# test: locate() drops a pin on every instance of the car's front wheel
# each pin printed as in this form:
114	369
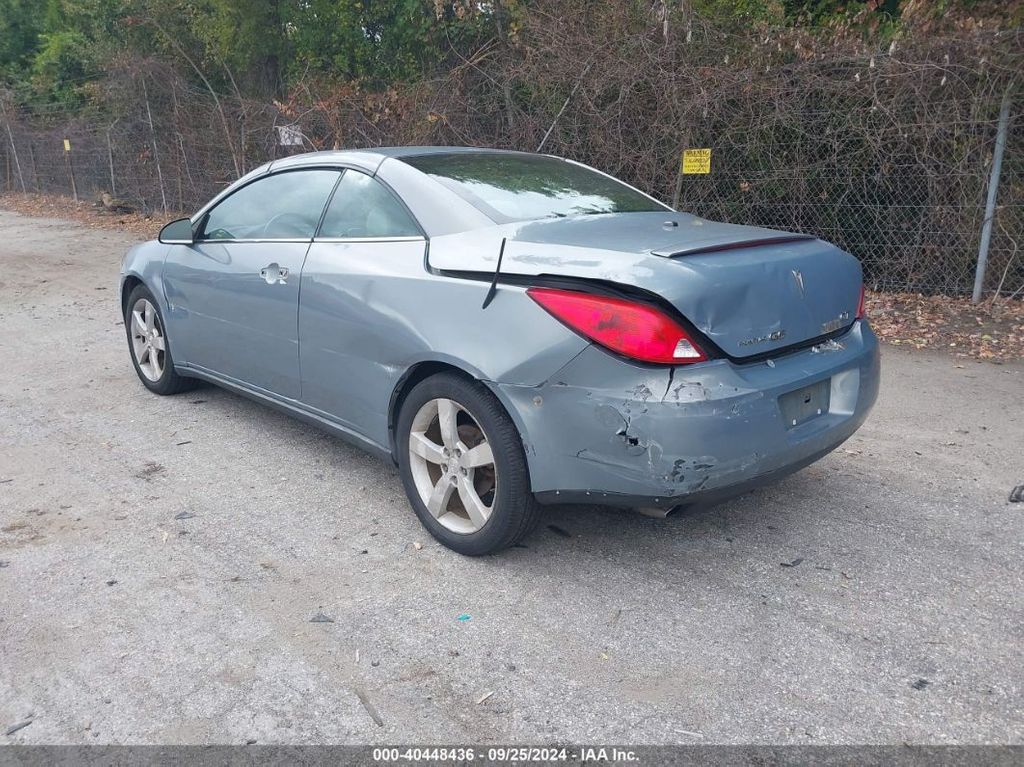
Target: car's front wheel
148	344
463	467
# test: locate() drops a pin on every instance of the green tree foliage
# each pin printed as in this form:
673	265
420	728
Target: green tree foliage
249	39
823	11
378	41
19	35
49	49
739	13
63	62
52	48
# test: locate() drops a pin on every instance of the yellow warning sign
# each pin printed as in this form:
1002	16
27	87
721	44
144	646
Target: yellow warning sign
67	145
696	161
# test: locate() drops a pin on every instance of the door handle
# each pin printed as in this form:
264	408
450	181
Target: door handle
274	274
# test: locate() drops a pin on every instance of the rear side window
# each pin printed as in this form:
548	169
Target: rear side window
364	207
521	187
279	207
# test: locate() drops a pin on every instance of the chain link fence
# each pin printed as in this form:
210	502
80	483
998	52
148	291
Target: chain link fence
887	154
900	182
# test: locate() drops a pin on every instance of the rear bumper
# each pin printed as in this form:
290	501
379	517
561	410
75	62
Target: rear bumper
604	431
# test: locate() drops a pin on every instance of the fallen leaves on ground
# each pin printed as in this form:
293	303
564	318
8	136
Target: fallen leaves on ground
991	330
87	213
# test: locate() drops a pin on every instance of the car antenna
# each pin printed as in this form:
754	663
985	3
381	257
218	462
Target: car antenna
494	283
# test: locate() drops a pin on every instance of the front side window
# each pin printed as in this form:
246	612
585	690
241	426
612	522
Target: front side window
364	207
522	187
280	207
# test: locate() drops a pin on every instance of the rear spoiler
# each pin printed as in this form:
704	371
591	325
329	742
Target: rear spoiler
718	247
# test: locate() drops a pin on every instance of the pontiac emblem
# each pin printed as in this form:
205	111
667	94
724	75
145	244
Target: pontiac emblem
775	335
799	278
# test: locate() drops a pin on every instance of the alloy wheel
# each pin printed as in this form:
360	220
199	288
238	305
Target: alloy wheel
148	343
452	465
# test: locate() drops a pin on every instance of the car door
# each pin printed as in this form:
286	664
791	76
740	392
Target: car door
364	264
233	294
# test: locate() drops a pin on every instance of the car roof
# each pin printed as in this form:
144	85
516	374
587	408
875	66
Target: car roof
371	158
439	210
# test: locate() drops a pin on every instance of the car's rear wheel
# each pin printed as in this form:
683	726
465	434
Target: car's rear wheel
463	467
148	344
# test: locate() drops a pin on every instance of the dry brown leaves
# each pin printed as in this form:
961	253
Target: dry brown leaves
992	330
85	213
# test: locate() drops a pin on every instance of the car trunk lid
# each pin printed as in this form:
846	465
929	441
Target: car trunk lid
754	300
751	291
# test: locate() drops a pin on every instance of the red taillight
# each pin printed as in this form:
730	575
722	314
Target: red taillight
860	304
634	330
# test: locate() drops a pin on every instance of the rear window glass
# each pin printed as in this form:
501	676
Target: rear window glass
514	187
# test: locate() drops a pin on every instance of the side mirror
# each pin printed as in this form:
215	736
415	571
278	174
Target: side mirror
177	233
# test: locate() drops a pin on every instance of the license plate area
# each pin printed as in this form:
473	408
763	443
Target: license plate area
802	405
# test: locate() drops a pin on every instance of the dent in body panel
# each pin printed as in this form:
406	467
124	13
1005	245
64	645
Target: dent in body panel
641	433
477	251
228	318
746	300
145	262
369	311
673	432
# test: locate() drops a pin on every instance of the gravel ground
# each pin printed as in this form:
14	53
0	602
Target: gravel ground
161	560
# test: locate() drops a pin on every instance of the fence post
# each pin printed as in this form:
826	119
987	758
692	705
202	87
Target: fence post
110	161
990	202
35	170
156	153
14	151
71	169
188	172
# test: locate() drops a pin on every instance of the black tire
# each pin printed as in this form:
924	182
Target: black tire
169	381
515	512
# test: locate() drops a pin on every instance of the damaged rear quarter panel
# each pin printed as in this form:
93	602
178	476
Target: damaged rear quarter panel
604	425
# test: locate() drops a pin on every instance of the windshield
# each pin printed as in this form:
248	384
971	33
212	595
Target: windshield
522	187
